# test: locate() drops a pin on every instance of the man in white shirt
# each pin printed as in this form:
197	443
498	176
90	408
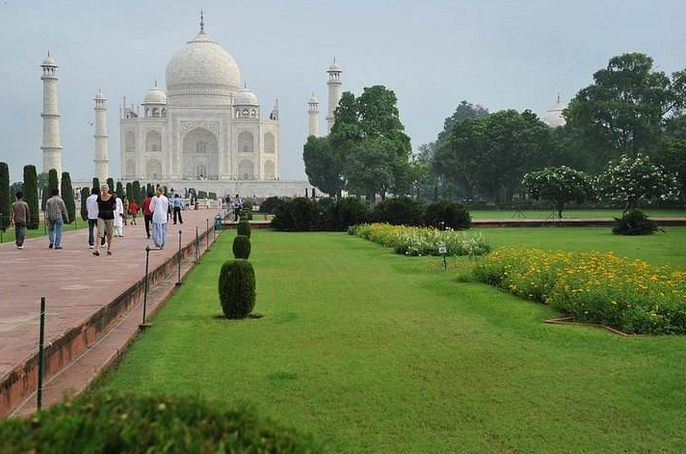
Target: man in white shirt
159	205
92	209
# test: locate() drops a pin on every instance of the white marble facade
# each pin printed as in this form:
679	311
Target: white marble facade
204	127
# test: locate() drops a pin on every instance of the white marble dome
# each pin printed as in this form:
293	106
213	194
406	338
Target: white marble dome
155	95
245	97
202	68
49	61
554	116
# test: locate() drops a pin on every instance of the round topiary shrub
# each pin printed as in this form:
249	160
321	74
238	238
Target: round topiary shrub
453	215
241	247
134	424
243	228
634	222
237	288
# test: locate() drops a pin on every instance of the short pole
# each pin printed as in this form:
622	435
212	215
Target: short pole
145	295
207	233
445	265
41	356
2	230
197	241
45	224
178	280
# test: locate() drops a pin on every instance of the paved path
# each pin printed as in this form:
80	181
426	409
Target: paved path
75	283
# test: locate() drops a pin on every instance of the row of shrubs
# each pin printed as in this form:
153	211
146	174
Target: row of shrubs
417	241
302	214
629	295
105	423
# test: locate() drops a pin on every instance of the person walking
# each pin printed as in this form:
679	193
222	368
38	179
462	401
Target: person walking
55	215
177	209
160	215
92	209
118	216
125	202
237	206
133	211
107	205
19	217
147	213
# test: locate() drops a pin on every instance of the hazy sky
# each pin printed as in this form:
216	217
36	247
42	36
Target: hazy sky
433	54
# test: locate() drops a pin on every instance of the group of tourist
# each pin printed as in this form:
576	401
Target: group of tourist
107	214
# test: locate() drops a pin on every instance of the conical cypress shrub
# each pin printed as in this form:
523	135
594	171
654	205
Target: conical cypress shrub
85	193
31	195
237	288
136	190
68	196
241	247
120	190
243	228
110	183
96	184
4	196
52	185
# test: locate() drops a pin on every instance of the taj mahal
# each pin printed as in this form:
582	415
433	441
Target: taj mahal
206	130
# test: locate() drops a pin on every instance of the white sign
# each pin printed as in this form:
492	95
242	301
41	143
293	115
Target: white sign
442	249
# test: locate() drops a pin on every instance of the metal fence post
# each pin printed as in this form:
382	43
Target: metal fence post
196	244
207	233
145	295
41	357
178	280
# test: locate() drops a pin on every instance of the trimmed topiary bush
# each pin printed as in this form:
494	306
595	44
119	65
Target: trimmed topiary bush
343	213
67	193
237	288
96	183
298	215
399	211
5	200
103	423
241	247
454	215
85	193
52	185
634	222
243	228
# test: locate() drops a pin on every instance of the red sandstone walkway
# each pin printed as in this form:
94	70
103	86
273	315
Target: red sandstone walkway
75	283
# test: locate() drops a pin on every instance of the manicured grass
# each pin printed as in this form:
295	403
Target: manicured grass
377	352
569	214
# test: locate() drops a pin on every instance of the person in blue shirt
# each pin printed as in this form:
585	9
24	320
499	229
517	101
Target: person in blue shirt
177	208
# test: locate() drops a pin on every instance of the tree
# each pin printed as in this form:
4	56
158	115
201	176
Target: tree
463	111
136	189
560	185
323	166
110	183
672	153
31	195
629	179
129	191
120	189
96	184
52	186
625	109
5	201
68	197
85	193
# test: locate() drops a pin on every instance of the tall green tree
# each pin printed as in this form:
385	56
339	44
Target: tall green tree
85	193
31	195
96	183
129	191
67	193
625	109
4	196
465	110
110	183
136	189
52	185
323	166
560	185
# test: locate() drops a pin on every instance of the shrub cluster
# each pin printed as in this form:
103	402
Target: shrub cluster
241	247
270	204
237	288
303	214
629	295
243	228
133	424
634	222
417	241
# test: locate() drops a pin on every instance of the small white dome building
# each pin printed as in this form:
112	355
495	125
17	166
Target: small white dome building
204	126
554	117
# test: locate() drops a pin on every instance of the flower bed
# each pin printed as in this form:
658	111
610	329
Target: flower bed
418	241
629	295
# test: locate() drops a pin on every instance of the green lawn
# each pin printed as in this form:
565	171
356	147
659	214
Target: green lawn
569	214
8	235
376	352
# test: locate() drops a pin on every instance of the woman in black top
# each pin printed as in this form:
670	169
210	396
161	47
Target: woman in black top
107	204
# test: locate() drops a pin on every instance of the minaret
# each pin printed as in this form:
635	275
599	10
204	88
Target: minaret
313	116
102	160
334	84
52	143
